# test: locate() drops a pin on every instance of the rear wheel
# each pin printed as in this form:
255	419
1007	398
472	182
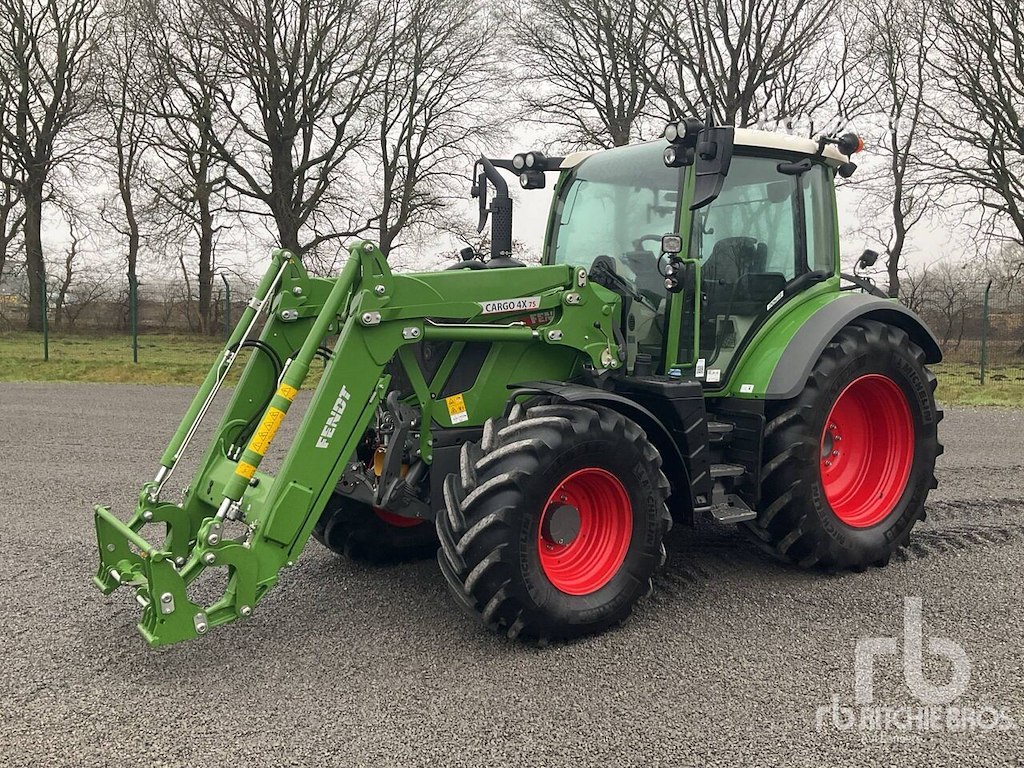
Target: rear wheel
555	523
849	462
373	535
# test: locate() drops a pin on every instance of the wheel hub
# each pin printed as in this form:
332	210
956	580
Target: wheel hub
561	524
830	452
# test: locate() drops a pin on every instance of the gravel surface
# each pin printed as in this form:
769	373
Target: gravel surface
727	664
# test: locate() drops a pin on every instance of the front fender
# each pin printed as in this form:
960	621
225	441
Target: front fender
681	501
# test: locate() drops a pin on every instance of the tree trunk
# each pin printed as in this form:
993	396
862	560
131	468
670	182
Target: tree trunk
134	238
288	233
205	262
34	262
384	239
5	238
133	278
893	268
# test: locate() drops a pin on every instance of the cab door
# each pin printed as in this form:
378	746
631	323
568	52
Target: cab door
748	245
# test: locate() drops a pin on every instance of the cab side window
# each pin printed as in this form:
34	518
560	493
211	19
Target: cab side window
820	216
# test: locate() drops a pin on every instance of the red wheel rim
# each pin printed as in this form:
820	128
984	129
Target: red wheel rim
590	560
397	520
867	450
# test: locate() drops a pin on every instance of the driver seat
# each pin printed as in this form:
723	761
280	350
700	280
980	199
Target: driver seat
734	280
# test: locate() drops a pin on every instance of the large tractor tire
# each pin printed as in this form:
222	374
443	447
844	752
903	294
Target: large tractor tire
361	532
848	463
554	525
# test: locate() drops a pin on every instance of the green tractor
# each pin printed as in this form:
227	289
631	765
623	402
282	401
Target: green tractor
687	348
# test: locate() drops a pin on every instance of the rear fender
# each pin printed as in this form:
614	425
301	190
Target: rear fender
776	363
806	345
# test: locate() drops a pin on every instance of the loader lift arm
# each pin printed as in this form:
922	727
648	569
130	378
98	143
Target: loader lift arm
375	314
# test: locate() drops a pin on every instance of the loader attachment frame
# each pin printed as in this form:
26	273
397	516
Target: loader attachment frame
253	524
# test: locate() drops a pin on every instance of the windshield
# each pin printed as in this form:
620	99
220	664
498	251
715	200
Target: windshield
618	204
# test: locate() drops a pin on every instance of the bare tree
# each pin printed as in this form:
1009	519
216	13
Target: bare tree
952	290
432	103
124	100
893	52
296	75
72	251
46	57
11	212
583	66
190	180
979	124
914	289
746	61
609	72
1006	268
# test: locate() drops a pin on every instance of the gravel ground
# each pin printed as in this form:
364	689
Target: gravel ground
727	664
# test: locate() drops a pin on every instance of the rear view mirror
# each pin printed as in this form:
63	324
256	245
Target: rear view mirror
867	259
713	157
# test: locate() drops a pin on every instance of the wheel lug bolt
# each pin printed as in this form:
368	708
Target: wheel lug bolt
832	426
828	463
835	453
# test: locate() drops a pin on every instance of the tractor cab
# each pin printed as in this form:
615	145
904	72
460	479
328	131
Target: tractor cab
767	233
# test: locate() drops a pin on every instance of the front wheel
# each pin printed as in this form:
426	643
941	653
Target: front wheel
361	532
849	461
555	523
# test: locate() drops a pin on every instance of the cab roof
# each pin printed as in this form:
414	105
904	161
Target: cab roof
746	137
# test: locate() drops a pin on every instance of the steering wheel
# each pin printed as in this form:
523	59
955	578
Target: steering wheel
639	257
638	242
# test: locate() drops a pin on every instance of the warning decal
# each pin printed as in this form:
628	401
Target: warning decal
245	469
457	408
266	431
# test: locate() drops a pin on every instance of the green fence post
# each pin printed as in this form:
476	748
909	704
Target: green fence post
133	314
227	306
984	331
46	320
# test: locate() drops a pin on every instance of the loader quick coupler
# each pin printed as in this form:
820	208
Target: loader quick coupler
195	536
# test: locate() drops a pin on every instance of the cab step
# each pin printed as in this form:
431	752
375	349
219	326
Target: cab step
727	470
728	508
720	432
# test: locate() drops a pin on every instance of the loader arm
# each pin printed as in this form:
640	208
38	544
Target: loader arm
253	524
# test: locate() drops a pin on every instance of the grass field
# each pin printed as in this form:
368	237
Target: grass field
162	359
166	359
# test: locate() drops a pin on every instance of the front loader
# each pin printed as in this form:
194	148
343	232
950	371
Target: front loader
687	348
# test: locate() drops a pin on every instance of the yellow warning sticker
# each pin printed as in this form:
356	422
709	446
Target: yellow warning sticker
266	430
245	469
457	408
287	392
